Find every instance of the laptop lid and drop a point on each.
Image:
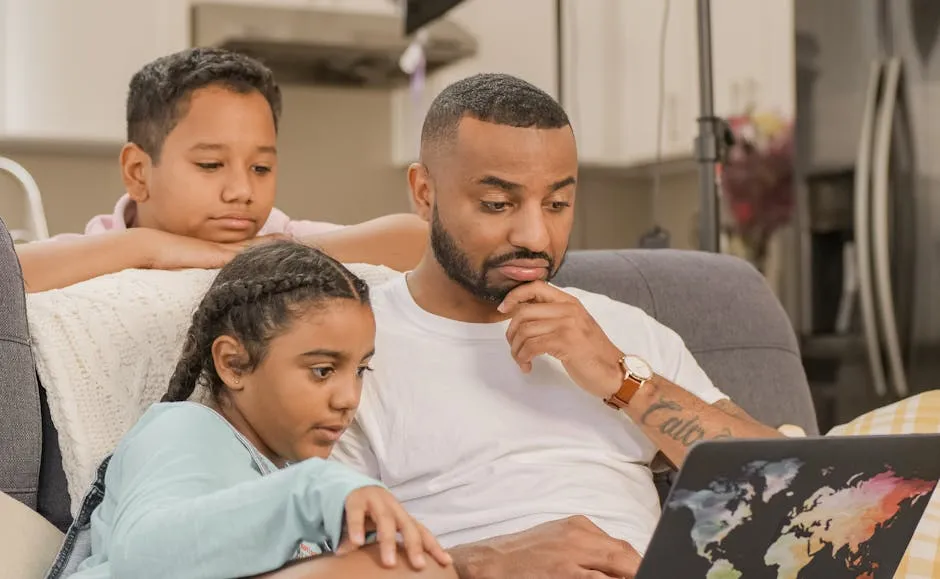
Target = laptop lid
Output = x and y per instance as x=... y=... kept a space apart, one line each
x=829 y=507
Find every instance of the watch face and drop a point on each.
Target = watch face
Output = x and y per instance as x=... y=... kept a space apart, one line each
x=638 y=367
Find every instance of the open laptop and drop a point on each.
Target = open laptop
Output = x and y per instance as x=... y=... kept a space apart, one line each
x=799 y=508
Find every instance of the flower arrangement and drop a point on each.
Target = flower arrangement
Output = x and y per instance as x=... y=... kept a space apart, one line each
x=757 y=183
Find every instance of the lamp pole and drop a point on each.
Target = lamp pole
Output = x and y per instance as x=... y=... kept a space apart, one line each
x=710 y=140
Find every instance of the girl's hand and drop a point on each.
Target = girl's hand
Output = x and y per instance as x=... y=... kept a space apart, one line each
x=375 y=509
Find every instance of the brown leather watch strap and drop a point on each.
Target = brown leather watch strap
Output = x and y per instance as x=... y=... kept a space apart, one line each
x=628 y=389
x=619 y=399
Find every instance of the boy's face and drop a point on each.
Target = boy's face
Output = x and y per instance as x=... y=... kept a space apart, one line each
x=216 y=176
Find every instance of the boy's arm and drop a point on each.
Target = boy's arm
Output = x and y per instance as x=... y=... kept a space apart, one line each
x=397 y=241
x=58 y=263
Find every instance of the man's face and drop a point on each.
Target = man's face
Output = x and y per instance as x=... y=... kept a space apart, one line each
x=502 y=206
x=216 y=176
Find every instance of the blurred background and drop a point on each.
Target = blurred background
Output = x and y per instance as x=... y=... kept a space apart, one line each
x=830 y=188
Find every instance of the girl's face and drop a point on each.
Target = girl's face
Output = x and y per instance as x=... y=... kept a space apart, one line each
x=304 y=393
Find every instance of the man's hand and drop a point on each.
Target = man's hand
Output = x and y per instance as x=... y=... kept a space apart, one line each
x=572 y=548
x=171 y=252
x=546 y=320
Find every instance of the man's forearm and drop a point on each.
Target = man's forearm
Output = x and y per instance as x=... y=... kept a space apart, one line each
x=56 y=264
x=675 y=419
x=362 y=564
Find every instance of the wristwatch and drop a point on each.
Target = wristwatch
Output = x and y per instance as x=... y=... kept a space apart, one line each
x=636 y=372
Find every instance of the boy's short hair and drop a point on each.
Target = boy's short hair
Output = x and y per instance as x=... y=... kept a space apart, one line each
x=159 y=92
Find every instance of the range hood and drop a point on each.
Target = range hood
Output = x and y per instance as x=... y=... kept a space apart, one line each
x=323 y=46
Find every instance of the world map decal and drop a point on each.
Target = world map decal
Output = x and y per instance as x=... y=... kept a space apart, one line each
x=807 y=522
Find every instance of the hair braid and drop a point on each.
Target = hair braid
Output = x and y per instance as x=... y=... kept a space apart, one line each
x=253 y=299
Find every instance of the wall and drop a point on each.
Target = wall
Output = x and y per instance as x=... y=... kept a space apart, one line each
x=335 y=166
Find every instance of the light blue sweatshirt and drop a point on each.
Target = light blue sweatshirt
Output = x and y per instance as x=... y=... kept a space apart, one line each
x=188 y=497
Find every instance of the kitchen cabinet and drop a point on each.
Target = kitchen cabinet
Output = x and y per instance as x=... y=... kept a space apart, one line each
x=753 y=56
x=615 y=54
x=610 y=68
x=65 y=65
x=515 y=37
x=384 y=7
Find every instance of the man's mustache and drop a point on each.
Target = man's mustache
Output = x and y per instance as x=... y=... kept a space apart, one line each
x=520 y=254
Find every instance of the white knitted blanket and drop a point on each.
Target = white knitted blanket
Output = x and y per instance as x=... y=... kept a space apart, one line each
x=105 y=350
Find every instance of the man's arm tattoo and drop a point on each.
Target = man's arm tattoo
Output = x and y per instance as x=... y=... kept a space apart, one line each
x=685 y=430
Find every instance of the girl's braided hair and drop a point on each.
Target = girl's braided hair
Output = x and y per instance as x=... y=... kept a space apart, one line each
x=253 y=299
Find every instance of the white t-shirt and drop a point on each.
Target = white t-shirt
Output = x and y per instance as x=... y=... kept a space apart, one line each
x=474 y=448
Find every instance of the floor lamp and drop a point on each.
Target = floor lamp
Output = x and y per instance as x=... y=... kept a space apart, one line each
x=712 y=139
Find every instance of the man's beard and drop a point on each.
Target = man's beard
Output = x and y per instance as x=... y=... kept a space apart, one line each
x=458 y=267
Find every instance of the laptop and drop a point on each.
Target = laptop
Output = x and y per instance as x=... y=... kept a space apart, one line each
x=797 y=508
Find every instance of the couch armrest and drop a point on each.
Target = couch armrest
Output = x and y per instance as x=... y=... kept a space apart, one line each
x=20 y=422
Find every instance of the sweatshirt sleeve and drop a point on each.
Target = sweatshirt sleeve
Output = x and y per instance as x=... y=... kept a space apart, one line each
x=190 y=505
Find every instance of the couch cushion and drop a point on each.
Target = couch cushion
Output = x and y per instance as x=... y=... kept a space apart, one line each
x=28 y=543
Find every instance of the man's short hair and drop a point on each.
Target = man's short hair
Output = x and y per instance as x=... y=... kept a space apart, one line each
x=159 y=92
x=493 y=98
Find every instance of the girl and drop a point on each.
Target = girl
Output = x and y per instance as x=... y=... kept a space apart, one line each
x=240 y=485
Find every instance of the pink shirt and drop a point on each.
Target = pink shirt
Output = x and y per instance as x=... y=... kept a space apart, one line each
x=278 y=222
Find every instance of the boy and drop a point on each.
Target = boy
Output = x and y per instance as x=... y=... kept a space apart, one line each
x=200 y=169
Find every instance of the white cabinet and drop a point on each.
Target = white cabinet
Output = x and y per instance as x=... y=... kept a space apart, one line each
x=514 y=36
x=385 y=7
x=65 y=65
x=610 y=67
x=616 y=57
x=753 y=56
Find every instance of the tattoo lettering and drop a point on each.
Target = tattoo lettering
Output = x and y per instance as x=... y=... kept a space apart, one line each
x=663 y=404
x=686 y=431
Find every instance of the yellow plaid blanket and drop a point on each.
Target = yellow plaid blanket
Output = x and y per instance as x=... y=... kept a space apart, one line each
x=917 y=414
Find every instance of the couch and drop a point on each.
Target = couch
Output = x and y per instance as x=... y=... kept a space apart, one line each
x=730 y=319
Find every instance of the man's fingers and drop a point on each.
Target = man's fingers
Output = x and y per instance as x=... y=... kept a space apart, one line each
x=533 y=347
x=530 y=331
x=536 y=291
x=528 y=312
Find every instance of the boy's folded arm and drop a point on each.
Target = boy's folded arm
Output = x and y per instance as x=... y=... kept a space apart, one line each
x=397 y=241
x=58 y=263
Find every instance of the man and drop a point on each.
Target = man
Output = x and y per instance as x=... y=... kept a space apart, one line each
x=200 y=175
x=486 y=412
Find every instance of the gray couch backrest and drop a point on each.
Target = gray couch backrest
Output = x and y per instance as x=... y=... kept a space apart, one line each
x=728 y=316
